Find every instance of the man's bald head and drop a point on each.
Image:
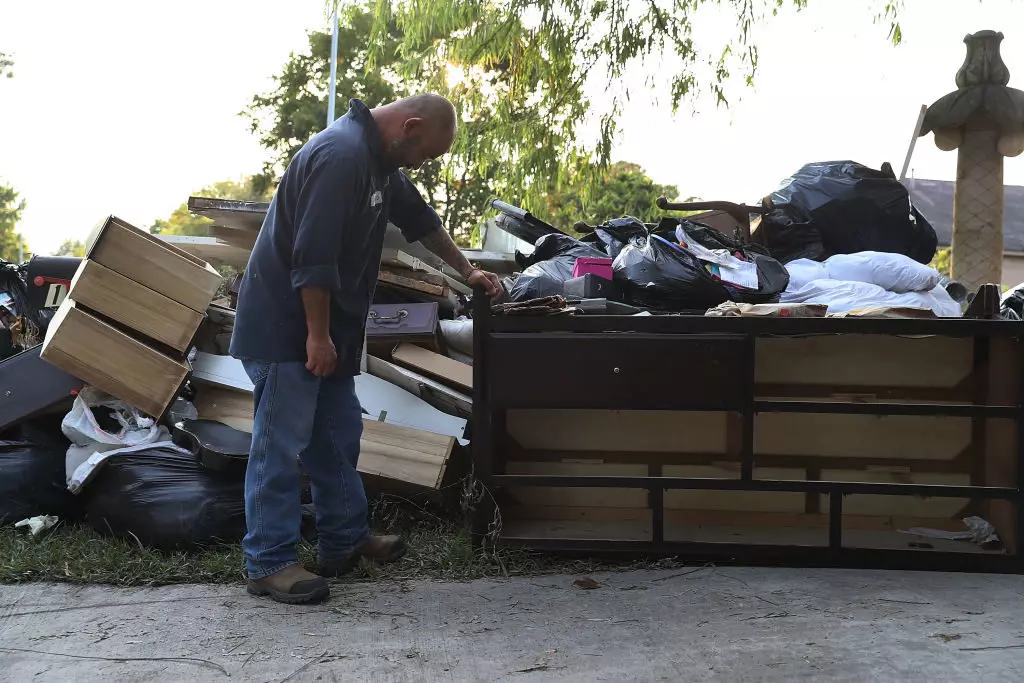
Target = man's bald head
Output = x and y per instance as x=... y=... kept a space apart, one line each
x=416 y=129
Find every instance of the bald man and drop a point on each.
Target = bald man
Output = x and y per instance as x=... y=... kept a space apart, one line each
x=299 y=330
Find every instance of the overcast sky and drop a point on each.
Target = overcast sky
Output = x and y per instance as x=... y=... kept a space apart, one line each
x=115 y=108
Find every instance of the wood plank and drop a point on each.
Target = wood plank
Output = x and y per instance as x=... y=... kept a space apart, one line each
x=397 y=279
x=233 y=408
x=231 y=213
x=105 y=357
x=430 y=390
x=408 y=455
x=435 y=365
x=397 y=257
x=153 y=263
x=210 y=249
x=243 y=239
x=386 y=451
x=133 y=305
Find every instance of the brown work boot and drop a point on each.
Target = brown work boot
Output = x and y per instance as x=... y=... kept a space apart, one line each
x=292 y=585
x=376 y=549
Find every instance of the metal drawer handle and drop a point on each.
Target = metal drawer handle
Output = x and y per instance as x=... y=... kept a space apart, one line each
x=389 y=320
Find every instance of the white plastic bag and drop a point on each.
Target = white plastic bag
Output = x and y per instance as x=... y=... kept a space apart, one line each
x=893 y=272
x=88 y=437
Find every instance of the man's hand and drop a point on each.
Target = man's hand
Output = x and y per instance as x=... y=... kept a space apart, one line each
x=321 y=356
x=489 y=281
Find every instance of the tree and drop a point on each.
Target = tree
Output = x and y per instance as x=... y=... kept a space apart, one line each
x=182 y=222
x=10 y=213
x=71 y=248
x=288 y=115
x=5 y=66
x=623 y=190
x=538 y=56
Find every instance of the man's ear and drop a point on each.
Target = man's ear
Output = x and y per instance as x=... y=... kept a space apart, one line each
x=412 y=125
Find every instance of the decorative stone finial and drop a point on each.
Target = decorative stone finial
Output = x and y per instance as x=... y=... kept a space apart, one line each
x=983 y=64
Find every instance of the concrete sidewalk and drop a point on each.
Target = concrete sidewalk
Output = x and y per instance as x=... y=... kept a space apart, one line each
x=711 y=624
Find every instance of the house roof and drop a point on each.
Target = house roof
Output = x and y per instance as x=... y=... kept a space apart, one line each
x=934 y=199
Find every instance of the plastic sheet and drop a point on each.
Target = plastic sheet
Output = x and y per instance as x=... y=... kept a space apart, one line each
x=842 y=207
x=166 y=500
x=32 y=474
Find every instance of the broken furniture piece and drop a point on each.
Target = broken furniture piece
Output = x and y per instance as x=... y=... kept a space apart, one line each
x=779 y=440
x=133 y=309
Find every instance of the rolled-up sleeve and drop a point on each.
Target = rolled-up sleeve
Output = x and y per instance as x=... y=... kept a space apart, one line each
x=409 y=212
x=323 y=212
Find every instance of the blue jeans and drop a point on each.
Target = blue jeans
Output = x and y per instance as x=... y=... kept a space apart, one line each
x=320 y=421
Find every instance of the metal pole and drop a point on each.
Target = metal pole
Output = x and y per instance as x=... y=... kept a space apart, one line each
x=334 y=67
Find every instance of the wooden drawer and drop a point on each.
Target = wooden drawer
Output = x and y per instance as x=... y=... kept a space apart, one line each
x=105 y=357
x=149 y=261
x=617 y=371
x=134 y=305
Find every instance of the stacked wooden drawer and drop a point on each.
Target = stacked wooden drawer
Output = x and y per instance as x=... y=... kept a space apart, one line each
x=130 y=316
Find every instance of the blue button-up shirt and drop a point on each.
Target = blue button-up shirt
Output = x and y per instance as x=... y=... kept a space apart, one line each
x=325 y=228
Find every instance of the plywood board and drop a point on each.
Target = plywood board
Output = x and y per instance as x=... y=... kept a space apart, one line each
x=135 y=306
x=211 y=250
x=231 y=213
x=105 y=357
x=863 y=360
x=388 y=451
x=408 y=455
x=233 y=408
x=154 y=263
x=378 y=396
x=742 y=501
x=430 y=390
x=221 y=371
x=662 y=431
x=445 y=369
x=895 y=437
x=534 y=496
x=243 y=239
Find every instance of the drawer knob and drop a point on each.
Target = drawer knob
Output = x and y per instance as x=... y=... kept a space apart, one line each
x=616 y=371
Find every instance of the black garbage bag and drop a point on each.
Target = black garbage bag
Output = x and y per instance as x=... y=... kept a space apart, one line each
x=550 y=265
x=166 y=500
x=1011 y=305
x=656 y=273
x=32 y=479
x=615 y=234
x=842 y=207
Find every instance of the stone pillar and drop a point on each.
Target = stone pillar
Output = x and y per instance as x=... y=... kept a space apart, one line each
x=977 y=255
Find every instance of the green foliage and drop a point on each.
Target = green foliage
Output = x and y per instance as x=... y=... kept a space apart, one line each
x=524 y=67
x=71 y=248
x=942 y=262
x=10 y=213
x=183 y=222
x=296 y=109
x=623 y=190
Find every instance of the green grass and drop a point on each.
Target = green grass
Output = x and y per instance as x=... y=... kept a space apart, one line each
x=439 y=549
